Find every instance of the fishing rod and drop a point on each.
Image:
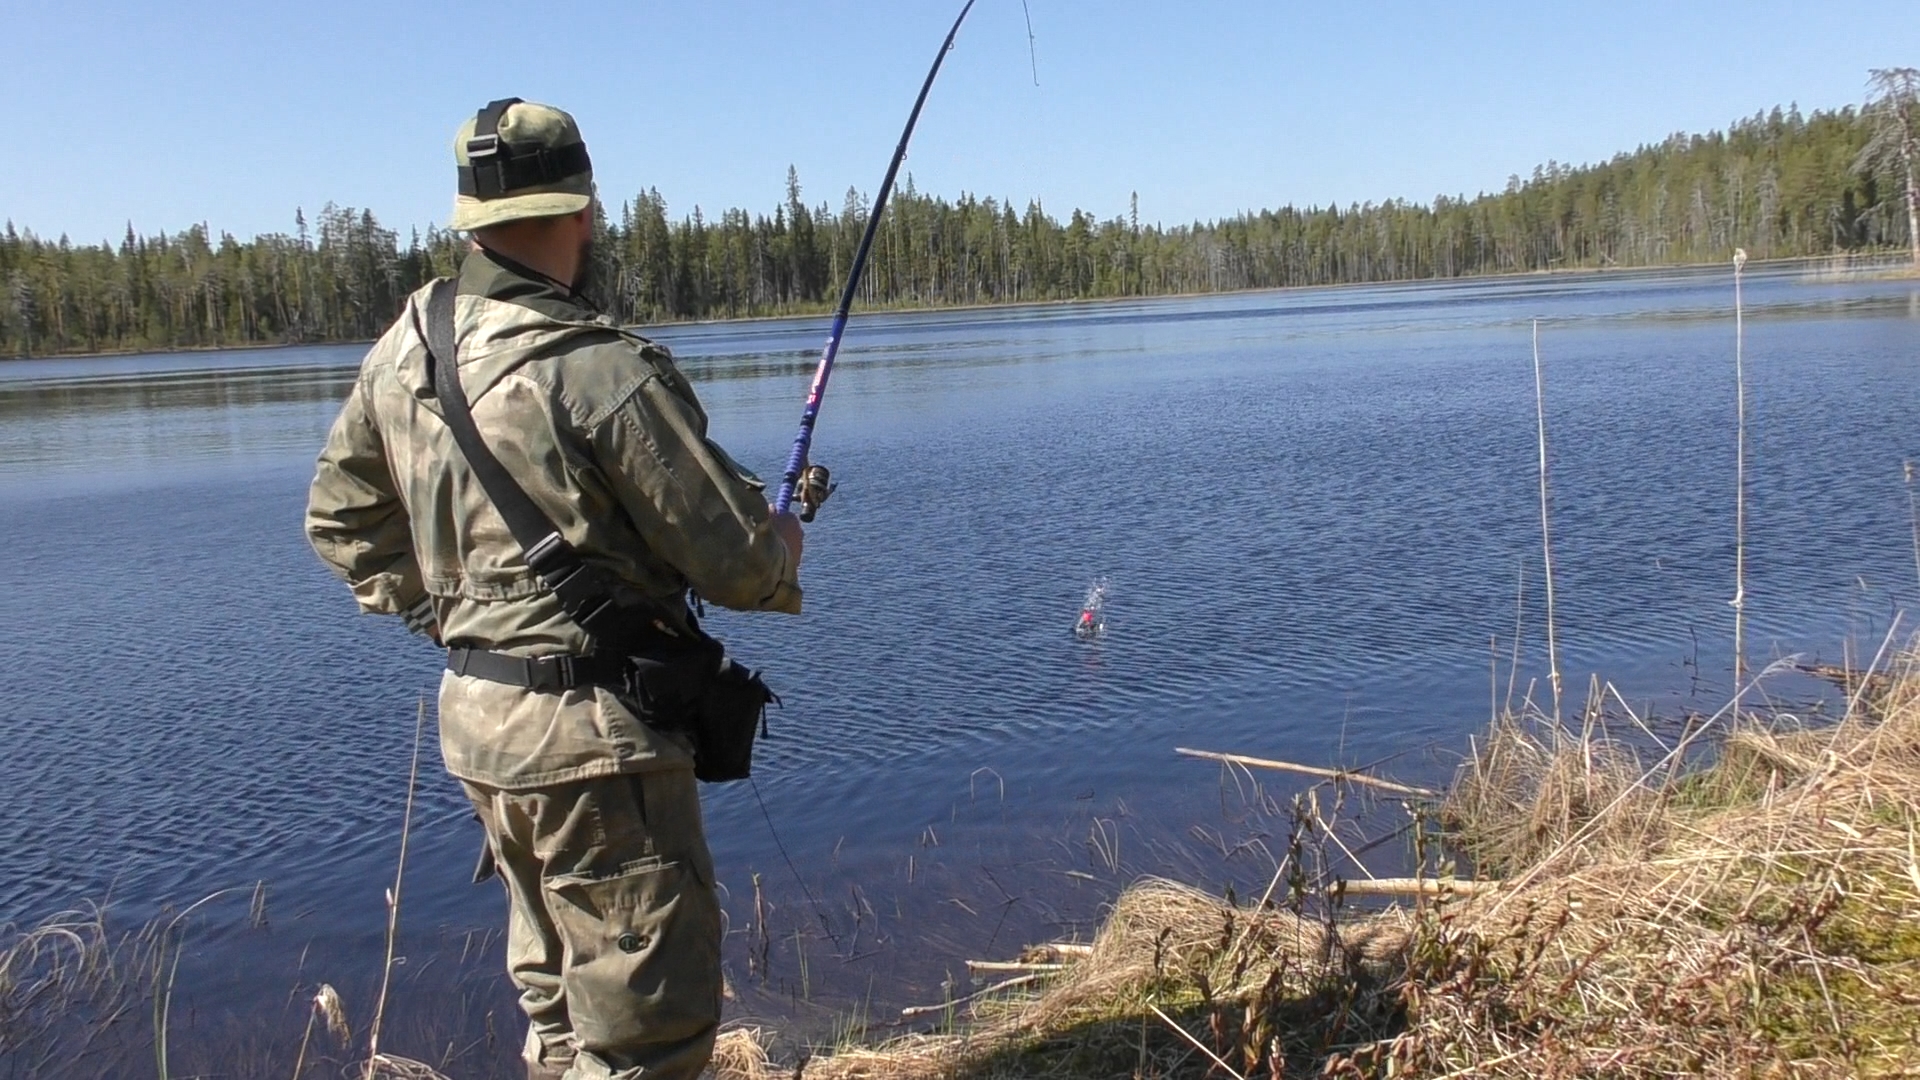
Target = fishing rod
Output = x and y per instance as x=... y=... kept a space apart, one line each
x=812 y=482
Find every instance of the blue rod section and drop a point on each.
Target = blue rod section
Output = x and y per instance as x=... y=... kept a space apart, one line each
x=797 y=461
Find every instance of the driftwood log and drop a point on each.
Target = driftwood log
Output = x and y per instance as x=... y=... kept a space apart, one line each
x=1340 y=775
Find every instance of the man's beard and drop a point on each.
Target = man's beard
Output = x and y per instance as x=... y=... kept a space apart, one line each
x=589 y=283
x=583 y=278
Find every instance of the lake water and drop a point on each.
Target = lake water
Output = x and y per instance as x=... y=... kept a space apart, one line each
x=1317 y=511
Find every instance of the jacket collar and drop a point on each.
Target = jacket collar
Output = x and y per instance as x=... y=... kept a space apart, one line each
x=504 y=314
x=489 y=274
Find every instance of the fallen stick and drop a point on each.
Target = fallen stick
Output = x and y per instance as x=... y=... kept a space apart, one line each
x=922 y=1010
x=1011 y=965
x=1197 y=1044
x=1309 y=770
x=1413 y=886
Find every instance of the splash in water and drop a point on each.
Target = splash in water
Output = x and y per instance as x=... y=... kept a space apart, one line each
x=1093 y=612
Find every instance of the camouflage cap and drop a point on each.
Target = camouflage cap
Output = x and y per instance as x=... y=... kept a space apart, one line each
x=517 y=159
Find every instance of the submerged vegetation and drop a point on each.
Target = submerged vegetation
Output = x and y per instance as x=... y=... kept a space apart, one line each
x=1779 y=184
x=1755 y=914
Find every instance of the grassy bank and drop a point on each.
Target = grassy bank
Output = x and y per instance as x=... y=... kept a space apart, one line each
x=1659 y=910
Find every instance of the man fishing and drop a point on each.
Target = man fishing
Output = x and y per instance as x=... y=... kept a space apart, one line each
x=499 y=407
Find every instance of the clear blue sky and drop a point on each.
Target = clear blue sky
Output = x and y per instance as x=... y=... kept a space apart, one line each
x=234 y=114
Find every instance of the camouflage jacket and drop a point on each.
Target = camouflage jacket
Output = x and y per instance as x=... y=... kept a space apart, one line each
x=606 y=436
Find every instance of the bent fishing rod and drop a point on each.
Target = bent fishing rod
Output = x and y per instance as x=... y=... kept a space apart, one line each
x=811 y=482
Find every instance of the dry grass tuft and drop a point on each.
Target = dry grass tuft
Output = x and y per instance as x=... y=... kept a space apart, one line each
x=1757 y=916
x=741 y=1054
x=1753 y=914
x=1239 y=978
x=70 y=967
x=1531 y=786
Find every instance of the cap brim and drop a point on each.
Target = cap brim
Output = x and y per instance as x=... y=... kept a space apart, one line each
x=470 y=213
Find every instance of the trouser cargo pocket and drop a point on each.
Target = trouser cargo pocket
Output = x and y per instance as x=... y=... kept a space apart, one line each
x=643 y=951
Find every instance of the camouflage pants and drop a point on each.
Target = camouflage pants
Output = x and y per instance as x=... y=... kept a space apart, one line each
x=614 y=933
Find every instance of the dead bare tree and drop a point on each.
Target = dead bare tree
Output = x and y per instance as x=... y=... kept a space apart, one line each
x=1893 y=107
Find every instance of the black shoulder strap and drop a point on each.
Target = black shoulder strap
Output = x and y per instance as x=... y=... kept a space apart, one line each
x=583 y=591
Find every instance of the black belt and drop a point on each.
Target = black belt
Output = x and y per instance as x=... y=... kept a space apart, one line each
x=543 y=673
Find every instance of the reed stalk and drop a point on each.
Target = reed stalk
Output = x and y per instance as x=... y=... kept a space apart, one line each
x=1546 y=530
x=393 y=894
x=1913 y=516
x=1740 y=483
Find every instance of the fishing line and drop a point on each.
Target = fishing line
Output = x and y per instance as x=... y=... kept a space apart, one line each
x=818 y=911
x=1031 y=57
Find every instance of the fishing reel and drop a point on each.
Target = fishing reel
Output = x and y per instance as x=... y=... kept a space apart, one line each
x=816 y=483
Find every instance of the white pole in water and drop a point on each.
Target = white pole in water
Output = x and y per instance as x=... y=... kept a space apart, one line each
x=1739 y=483
x=1546 y=535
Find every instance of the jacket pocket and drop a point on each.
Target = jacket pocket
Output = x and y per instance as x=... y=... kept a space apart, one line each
x=644 y=954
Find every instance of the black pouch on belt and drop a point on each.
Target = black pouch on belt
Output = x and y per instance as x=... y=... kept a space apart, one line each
x=727 y=716
x=720 y=705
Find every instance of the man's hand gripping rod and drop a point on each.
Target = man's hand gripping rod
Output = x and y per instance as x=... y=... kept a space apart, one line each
x=811 y=483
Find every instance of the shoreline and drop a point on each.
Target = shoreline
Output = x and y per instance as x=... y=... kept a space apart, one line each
x=1742 y=911
x=1881 y=265
x=175 y=350
x=1889 y=271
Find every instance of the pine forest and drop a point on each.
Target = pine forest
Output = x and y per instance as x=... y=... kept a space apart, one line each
x=1780 y=184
